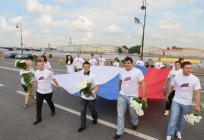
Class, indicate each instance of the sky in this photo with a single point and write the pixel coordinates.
(168, 23)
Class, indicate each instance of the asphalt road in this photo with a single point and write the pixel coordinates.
(16, 123)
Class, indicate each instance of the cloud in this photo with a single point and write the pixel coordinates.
(45, 20)
(170, 26)
(88, 36)
(45, 31)
(16, 19)
(36, 6)
(64, 1)
(113, 29)
(4, 26)
(27, 33)
(82, 24)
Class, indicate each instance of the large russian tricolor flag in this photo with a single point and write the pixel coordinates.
(107, 78)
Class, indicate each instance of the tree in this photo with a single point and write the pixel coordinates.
(135, 49)
(125, 47)
(120, 50)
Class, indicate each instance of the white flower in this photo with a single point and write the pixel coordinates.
(192, 118)
(137, 107)
(15, 64)
(82, 85)
(22, 61)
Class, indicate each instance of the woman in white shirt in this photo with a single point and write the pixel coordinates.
(116, 62)
(46, 63)
(29, 92)
(159, 64)
(69, 63)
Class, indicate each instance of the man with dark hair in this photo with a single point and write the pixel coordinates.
(130, 78)
(88, 101)
(93, 61)
(43, 78)
(185, 85)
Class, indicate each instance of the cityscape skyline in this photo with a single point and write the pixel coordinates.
(169, 23)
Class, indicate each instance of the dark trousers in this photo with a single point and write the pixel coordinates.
(40, 98)
(169, 102)
(84, 104)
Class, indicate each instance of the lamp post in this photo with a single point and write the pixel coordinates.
(18, 25)
(144, 7)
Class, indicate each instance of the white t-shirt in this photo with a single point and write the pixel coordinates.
(93, 62)
(116, 64)
(140, 63)
(185, 87)
(44, 79)
(102, 61)
(78, 62)
(70, 67)
(47, 65)
(130, 79)
(24, 71)
(91, 78)
(173, 73)
(158, 65)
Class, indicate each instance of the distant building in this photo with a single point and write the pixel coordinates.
(175, 52)
(88, 48)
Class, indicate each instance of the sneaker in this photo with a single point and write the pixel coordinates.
(178, 136)
(134, 127)
(116, 137)
(81, 129)
(25, 106)
(53, 113)
(37, 121)
(94, 122)
(168, 138)
(166, 113)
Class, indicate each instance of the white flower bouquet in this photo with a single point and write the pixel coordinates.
(193, 118)
(86, 88)
(138, 105)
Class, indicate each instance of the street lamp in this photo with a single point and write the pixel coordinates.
(143, 7)
(18, 25)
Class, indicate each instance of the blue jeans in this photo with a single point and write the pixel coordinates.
(122, 103)
(177, 120)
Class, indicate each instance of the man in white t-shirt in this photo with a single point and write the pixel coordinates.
(93, 61)
(185, 84)
(171, 75)
(43, 78)
(88, 101)
(158, 64)
(101, 60)
(140, 62)
(78, 62)
(130, 79)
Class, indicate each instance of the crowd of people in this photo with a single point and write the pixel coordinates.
(182, 85)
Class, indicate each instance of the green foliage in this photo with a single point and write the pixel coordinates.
(28, 77)
(120, 50)
(34, 59)
(144, 102)
(21, 64)
(135, 49)
(61, 62)
(88, 90)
